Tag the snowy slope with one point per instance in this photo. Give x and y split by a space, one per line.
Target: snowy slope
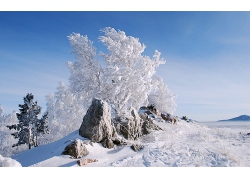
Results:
180 145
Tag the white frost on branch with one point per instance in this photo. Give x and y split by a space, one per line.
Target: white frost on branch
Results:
126 79
161 97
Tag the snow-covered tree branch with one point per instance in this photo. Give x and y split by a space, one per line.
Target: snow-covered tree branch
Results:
126 79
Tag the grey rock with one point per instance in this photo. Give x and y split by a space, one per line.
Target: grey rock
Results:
169 118
130 127
149 126
137 147
119 142
96 124
107 143
76 149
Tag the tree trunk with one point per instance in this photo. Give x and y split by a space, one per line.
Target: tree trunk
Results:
36 143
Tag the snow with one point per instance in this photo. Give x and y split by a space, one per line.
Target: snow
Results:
179 145
8 162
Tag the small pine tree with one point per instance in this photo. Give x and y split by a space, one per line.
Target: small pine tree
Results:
29 126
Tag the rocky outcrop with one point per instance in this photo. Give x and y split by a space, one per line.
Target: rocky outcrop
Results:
169 118
96 124
149 126
137 125
76 149
130 127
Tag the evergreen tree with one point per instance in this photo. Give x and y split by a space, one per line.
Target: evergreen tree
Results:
29 126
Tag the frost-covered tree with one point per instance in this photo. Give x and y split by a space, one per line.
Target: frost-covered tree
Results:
29 126
65 113
161 97
128 74
85 78
68 108
50 98
125 79
6 140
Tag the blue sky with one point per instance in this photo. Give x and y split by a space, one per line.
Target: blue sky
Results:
206 53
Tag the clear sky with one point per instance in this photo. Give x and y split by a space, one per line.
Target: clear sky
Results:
206 53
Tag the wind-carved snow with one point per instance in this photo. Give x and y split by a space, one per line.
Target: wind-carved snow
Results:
179 145
189 145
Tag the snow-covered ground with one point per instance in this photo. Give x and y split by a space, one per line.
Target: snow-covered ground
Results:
179 145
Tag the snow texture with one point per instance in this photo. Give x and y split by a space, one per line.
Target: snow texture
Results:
177 145
8 162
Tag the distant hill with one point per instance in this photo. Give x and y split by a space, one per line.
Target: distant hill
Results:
239 118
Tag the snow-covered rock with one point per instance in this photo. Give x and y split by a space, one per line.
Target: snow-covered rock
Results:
8 162
130 127
149 126
76 149
137 147
96 124
83 162
108 143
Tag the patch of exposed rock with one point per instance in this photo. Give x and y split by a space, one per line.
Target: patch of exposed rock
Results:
137 147
76 149
149 126
136 125
83 162
169 118
130 127
107 143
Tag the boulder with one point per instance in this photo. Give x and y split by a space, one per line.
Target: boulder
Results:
119 142
96 124
83 162
137 147
76 149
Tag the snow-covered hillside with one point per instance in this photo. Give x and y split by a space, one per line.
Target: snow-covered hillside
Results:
177 145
